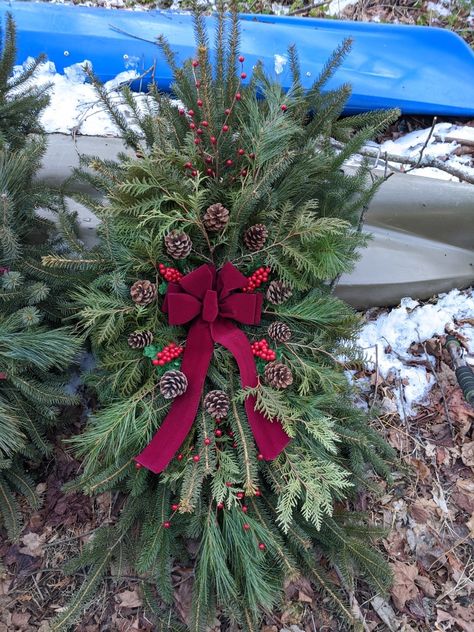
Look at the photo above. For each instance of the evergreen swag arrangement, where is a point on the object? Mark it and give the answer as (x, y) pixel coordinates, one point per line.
(34, 351)
(213, 321)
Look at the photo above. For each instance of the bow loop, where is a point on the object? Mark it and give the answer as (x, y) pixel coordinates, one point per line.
(209, 299)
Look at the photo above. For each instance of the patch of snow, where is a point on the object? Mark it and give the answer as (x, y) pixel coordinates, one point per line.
(74, 105)
(280, 63)
(386, 341)
(439, 8)
(335, 7)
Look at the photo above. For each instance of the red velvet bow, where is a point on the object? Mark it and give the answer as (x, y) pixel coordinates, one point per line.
(209, 299)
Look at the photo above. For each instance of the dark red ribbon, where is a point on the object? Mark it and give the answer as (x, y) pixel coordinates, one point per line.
(209, 301)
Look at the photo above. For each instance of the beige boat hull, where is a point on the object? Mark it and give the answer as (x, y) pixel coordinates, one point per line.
(422, 230)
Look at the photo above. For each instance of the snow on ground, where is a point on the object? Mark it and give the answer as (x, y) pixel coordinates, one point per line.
(385, 341)
(74, 105)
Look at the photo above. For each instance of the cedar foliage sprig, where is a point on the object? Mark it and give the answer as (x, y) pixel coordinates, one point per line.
(257, 523)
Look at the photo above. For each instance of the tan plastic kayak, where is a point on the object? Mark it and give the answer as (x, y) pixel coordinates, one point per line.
(422, 228)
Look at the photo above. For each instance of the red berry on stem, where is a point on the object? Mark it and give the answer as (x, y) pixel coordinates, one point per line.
(220, 505)
(258, 492)
(138, 466)
(198, 84)
(229, 162)
(262, 546)
(194, 173)
(246, 526)
(199, 131)
(218, 433)
(208, 160)
(196, 458)
(181, 112)
(241, 152)
(213, 140)
(240, 495)
(207, 441)
(241, 58)
(284, 108)
(180, 457)
(204, 124)
(187, 165)
(209, 172)
(155, 362)
(260, 457)
(175, 506)
(199, 102)
(228, 484)
(192, 126)
(195, 63)
(227, 111)
(225, 128)
(191, 112)
(167, 524)
(252, 156)
(244, 508)
(238, 96)
(243, 75)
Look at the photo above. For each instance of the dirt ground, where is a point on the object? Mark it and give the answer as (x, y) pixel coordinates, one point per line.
(428, 512)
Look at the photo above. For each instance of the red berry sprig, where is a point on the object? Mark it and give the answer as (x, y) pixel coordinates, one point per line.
(262, 350)
(256, 279)
(167, 354)
(169, 274)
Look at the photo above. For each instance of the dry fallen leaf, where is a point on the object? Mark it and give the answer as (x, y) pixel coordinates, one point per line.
(130, 599)
(470, 526)
(20, 619)
(33, 545)
(404, 587)
(467, 454)
(426, 585)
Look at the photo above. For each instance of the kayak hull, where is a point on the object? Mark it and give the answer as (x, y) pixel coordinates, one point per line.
(422, 238)
(421, 70)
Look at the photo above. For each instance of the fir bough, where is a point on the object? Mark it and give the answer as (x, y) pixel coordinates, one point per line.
(34, 351)
(266, 156)
(21, 102)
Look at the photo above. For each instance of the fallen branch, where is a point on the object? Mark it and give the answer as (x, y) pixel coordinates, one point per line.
(373, 152)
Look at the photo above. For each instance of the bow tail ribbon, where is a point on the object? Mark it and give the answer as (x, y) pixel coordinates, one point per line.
(269, 435)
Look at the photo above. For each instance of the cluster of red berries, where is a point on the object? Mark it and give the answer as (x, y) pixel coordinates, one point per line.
(169, 274)
(262, 350)
(167, 354)
(256, 279)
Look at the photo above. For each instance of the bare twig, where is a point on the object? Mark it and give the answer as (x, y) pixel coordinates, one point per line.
(420, 157)
(372, 152)
(441, 388)
(306, 8)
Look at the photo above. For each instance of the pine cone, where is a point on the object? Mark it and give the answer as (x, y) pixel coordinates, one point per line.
(173, 384)
(278, 292)
(255, 237)
(278, 375)
(279, 331)
(143, 292)
(178, 245)
(216, 218)
(216, 404)
(140, 339)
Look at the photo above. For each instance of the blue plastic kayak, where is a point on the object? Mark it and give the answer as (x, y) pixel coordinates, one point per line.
(421, 70)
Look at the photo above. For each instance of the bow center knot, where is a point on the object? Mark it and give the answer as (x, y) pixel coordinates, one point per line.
(210, 307)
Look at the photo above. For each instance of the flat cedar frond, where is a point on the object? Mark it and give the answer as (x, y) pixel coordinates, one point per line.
(240, 174)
